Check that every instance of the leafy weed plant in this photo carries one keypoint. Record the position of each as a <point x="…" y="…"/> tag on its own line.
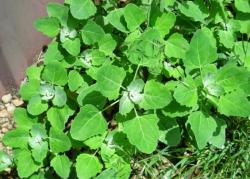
<point x="123" y="79"/>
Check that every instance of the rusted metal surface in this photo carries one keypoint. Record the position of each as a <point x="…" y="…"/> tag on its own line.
<point x="19" y="42"/>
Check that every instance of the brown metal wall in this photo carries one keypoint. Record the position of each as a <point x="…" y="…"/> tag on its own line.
<point x="19" y="42"/>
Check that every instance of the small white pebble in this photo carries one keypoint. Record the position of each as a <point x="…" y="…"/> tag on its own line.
<point x="10" y="108"/>
<point x="4" y="120"/>
<point x="5" y="125"/>
<point x="2" y="106"/>
<point x="6" y="98"/>
<point x="17" y="102"/>
<point x="4" y="130"/>
<point x="4" y="113"/>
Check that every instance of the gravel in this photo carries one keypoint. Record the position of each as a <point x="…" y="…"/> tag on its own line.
<point x="17" y="102"/>
<point x="4" y="113"/>
<point x="6" y="98"/>
<point x="8" y="104"/>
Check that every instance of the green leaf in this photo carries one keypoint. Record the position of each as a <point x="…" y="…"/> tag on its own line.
<point x="125" y="104"/>
<point x="82" y="9"/>
<point x="202" y="50"/>
<point x="167" y="3"/>
<point x="234" y="104"/>
<point x="88" y="123"/>
<point x="107" y="44"/>
<point x="155" y="96"/>
<point x="90" y="95"/>
<point x="38" y="130"/>
<point x="196" y="10"/>
<point x="173" y="71"/>
<point x="95" y="142"/>
<point x="40" y="175"/>
<point x="232" y="77"/>
<point x="61" y="164"/>
<point x="53" y="53"/>
<point x="212" y="86"/>
<point x="226" y="38"/>
<point x="5" y="160"/>
<point x="60" y="97"/>
<point x="219" y="136"/>
<point x="109" y="80"/>
<point x="164" y="23"/>
<point x="57" y="118"/>
<point x="243" y="22"/>
<point x="242" y="51"/>
<point x="67" y="33"/>
<point x="29" y="89"/>
<point x="146" y="50"/>
<point x="136" y="86"/>
<point x="98" y="57"/>
<point x="87" y="166"/>
<point x="55" y="73"/>
<point x="202" y="127"/>
<point x="143" y="132"/>
<point x="116" y="19"/>
<point x="68" y="1"/>
<point x="170" y="133"/>
<point x="174" y="109"/>
<point x="92" y="33"/>
<point x="59" y="11"/>
<point x="23" y="119"/>
<point x="75" y="80"/>
<point x="87" y="59"/>
<point x="242" y="5"/>
<point x="132" y="37"/>
<point x="36" y="106"/>
<point x="186" y="93"/>
<point x="72" y="46"/>
<point x="108" y="173"/>
<point x="49" y="26"/>
<point x="134" y="21"/>
<point x="219" y="12"/>
<point x="26" y="166"/>
<point x="114" y="162"/>
<point x="17" y="138"/>
<point x="176" y="46"/>
<point x="58" y="141"/>
<point x="39" y="152"/>
<point x="34" y="72"/>
<point x="37" y="143"/>
<point x="47" y="92"/>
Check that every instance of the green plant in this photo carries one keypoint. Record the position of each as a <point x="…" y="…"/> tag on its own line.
<point x="118" y="78"/>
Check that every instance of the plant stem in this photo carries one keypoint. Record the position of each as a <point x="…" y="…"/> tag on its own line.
<point x="136" y="71"/>
<point x="112" y="104"/>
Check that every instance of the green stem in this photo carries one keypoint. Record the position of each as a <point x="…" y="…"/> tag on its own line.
<point x="136" y="71"/>
<point x="112" y="104"/>
<point x="136" y="112"/>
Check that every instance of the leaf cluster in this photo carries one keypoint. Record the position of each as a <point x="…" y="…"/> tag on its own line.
<point x="120" y="78"/>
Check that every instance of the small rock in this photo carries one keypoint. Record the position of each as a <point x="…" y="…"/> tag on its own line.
<point x="10" y="108"/>
<point x="4" y="113"/>
<point x="4" y="120"/>
<point x="17" y="102"/>
<point x="6" y="98"/>
<point x="2" y="106"/>
<point x="10" y="127"/>
<point x="5" y="125"/>
<point x="4" y="130"/>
